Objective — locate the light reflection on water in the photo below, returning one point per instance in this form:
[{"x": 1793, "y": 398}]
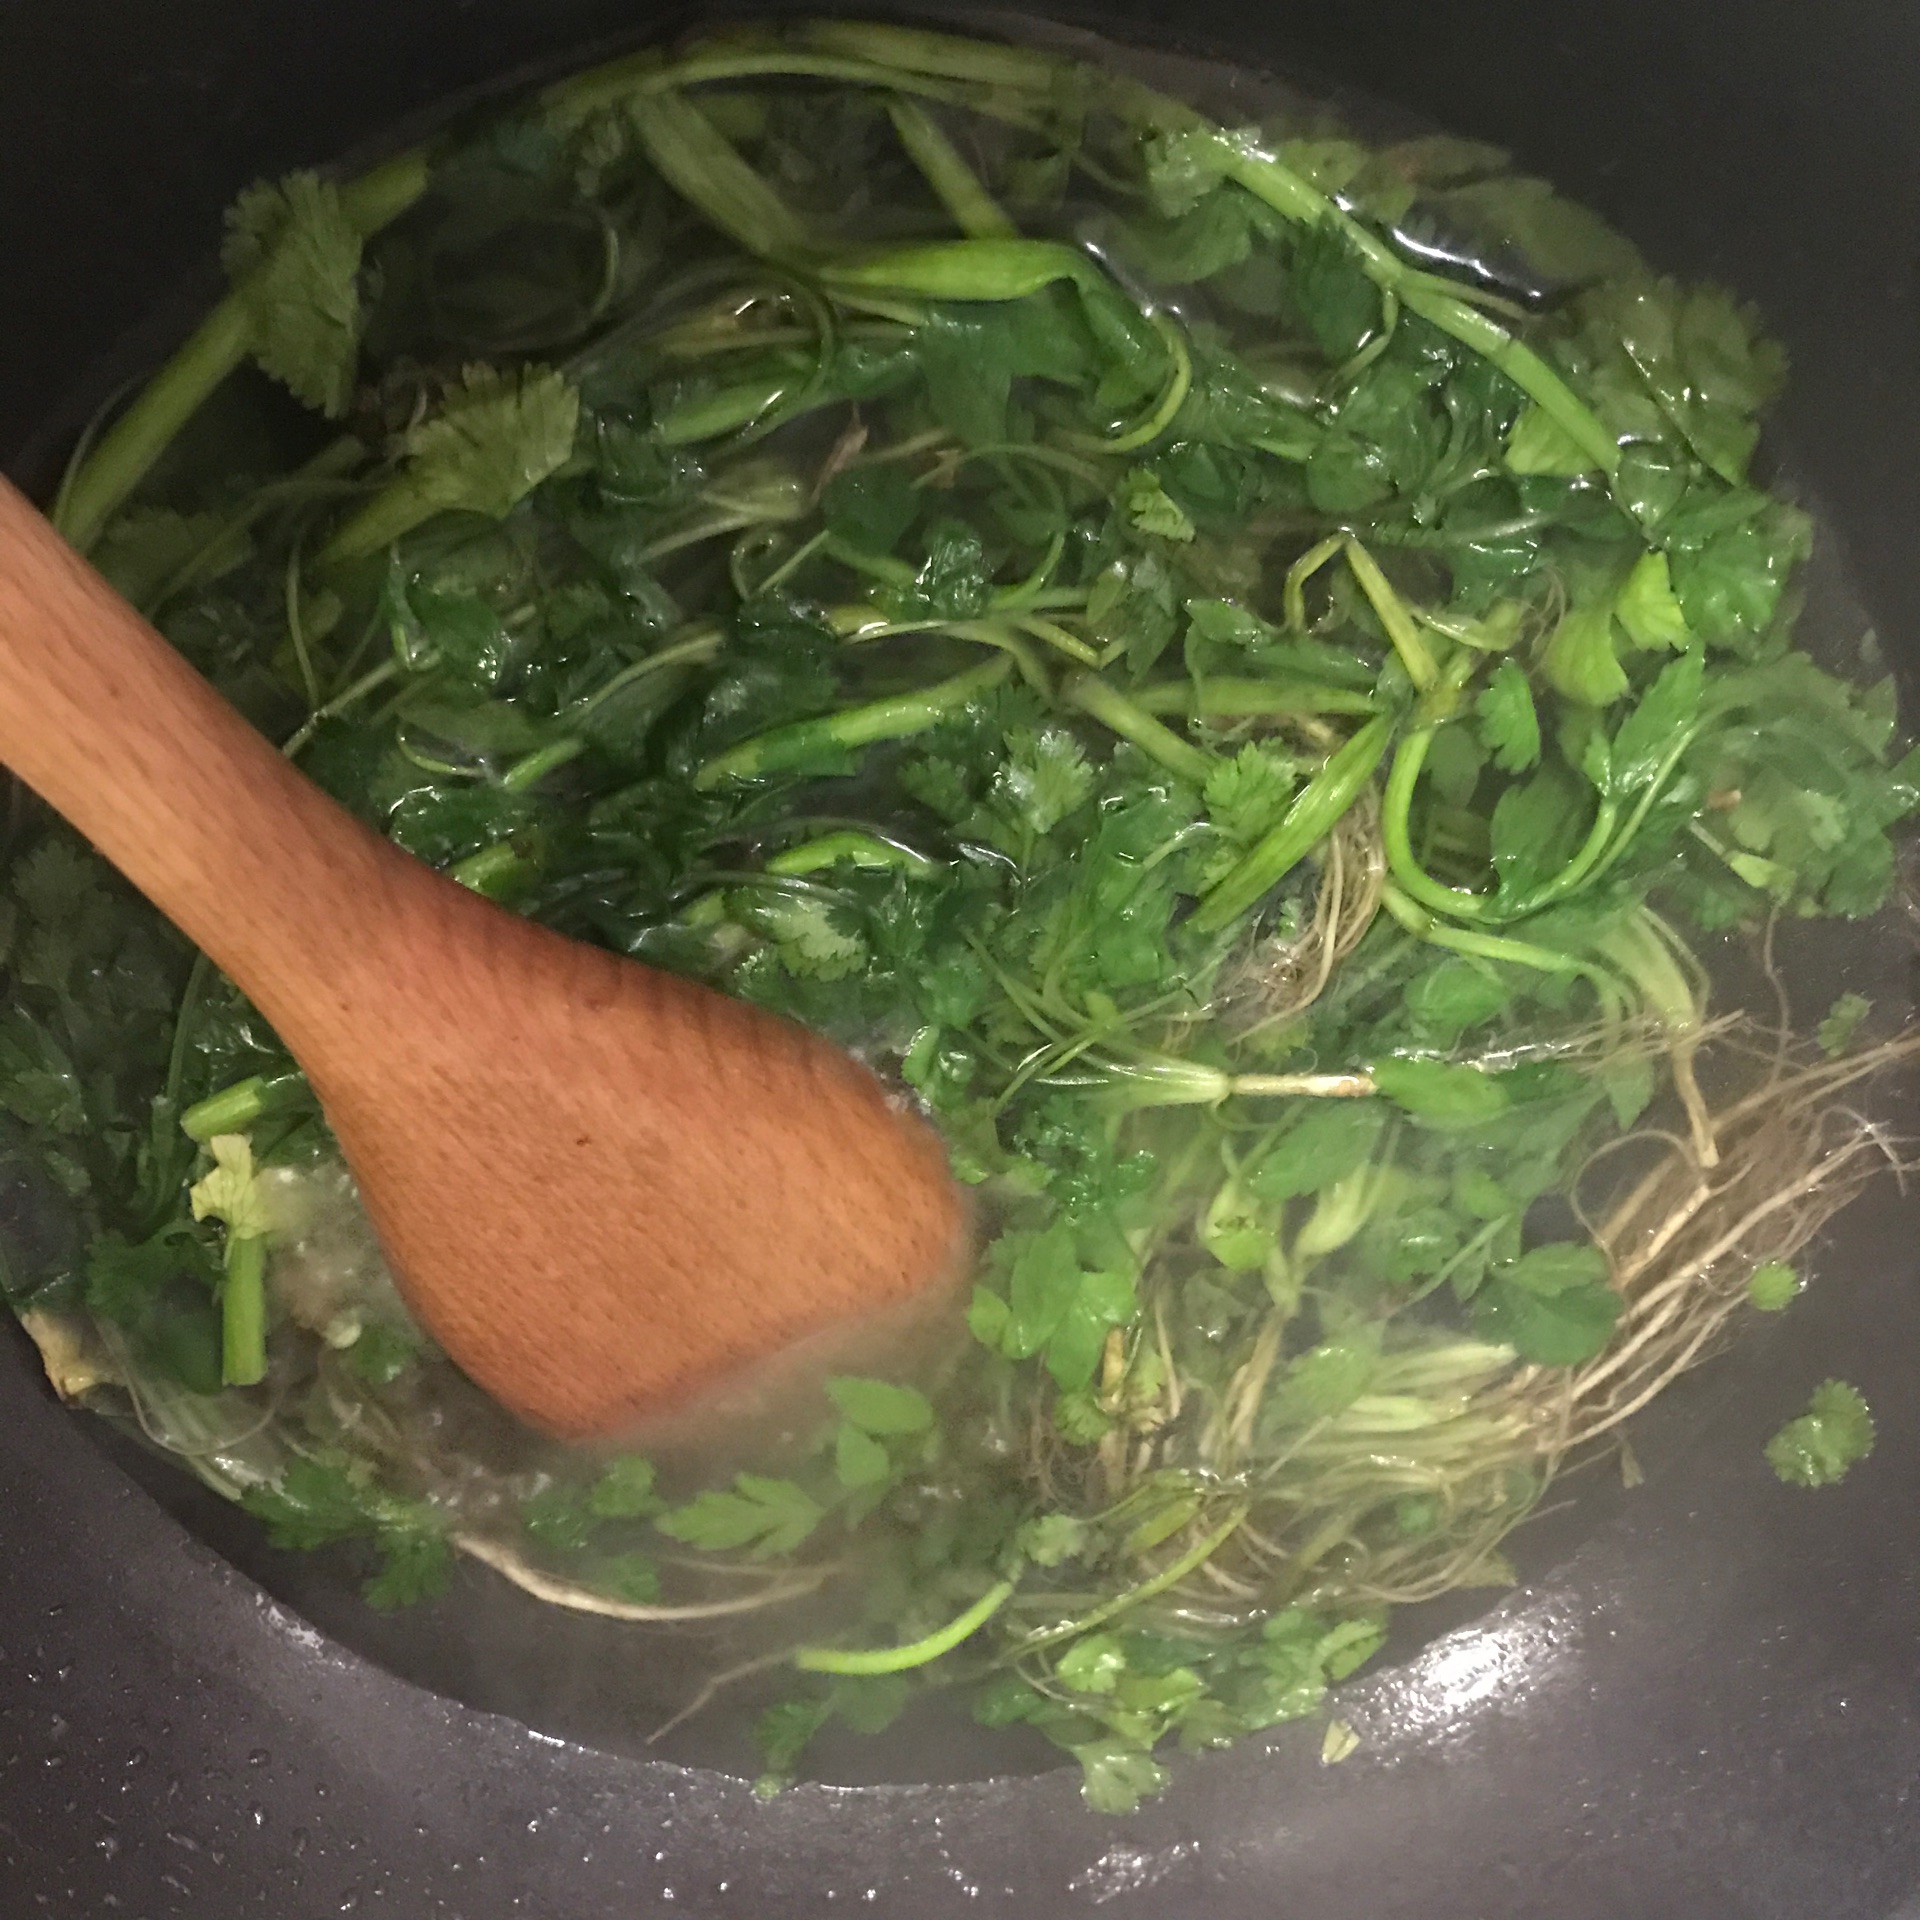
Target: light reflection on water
[{"x": 1494, "y": 1667}]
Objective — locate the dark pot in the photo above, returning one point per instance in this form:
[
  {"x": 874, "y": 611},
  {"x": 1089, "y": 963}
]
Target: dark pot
[{"x": 1705, "y": 1697}]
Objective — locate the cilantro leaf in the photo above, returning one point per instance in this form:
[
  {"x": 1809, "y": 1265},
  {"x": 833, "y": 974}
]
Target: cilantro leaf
[
  {"x": 559, "y": 1518},
  {"x": 858, "y": 1459},
  {"x": 1044, "y": 779},
  {"x": 1440, "y": 1092},
  {"x": 496, "y": 437},
  {"x": 1658, "y": 725},
  {"x": 1151, "y": 509},
  {"x": 871, "y": 507},
  {"x": 149, "y": 552},
  {"x": 1116, "y": 1777},
  {"x": 766, "y": 1516},
  {"x": 1053, "y": 1539},
  {"x": 879, "y": 1407},
  {"x": 1774, "y": 1287},
  {"x": 125, "y": 1280},
  {"x": 1580, "y": 661},
  {"x": 1553, "y": 1306},
  {"x": 1647, "y": 608},
  {"x": 809, "y": 933},
  {"x": 314, "y": 1503},
  {"x": 1836, "y": 1031},
  {"x": 1509, "y": 726},
  {"x": 631, "y": 1577},
  {"x": 1834, "y": 1434},
  {"x": 294, "y": 258},
  {"x": 624, "y": 1490},
  {"x": 416, "y": 1565},
  {"x": 1330, "y": 1141},
  {"x": 1133, "y": 606},
  {"x": 783, "y": 1733},
  {"x": 1093, "y": 1664},
  {"x": 1538, "y": 443},
  {"x": 1246, "y": 795}
]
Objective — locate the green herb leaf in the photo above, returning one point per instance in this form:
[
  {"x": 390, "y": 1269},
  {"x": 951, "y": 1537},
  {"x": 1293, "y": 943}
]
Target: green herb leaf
[
  {"x": 1647, "y": 608},
  {"x": 767, "y": 1517},
  {"x": 858, "y": 1460},
  {"x": 1538, "y": 443},
  {"x": 1835, "y": 1033},
  {"x": 624, "y": 1491},
  {"x": 1834, "y": 1433},
  {"x": 416, "y": 1565},
  {"x": 1150, "y": 509},
  {"x": 1436, "y": 1091},
  {"x": 1093, "y": 1664},
  {"x": 1116, "y": 1777},
  {"x": 877, "y": 1406},
  {"x": 1580, "y": 661},
  {"x": 1553, "y": 1306},
  {"x": 294, "y": 258},
  {"x": 1332, "y": 1139},
  {"x": 1248, "y": 795},
  {"x": 1509, "y": 727},
  {"x": 1774, "y": 1287}
]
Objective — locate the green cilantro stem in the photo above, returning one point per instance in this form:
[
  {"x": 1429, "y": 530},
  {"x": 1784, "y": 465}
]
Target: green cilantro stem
[
  {"x": 860, "y": 849},
  {"x": 243, "y": 1311},
  {"x": 898, "y": 718},
  {"x": 975, "y": 211},
  {"x": 1232, "y": 697},
  {"x": 1107, "y": 704},
  {"x": 1170, "y": 1576},
  {"x": 494, "y": 871},
  {"x": 126, "y": 452},
  {"x": 916, "y": 1653},
  {"x": 726, "y": 410},
  {"x": 532, "y": 768},
  {"x": 699, "y": 647},
  {"x": 1396, "y": 834},
  {"x": 952, "y": 56},
  {"x": 1316, "y": 810},
  {"x": 701, "y": 164},
  {"x": 234, "y": 1109},
  {"x": 1393, "y": 616}
]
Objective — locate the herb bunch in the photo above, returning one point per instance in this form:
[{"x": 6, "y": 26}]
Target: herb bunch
[{"x": 954, "y": 546}]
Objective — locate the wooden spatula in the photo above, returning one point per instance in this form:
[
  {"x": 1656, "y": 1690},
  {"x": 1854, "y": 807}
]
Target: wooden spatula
[{"x": 604, "y": 1190}]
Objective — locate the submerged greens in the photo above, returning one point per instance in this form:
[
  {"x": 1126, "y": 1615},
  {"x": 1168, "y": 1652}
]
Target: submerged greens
[{"x": 1249, "y": 730}]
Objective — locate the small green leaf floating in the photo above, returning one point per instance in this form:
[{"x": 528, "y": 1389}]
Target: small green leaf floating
[{"x": 1832, "y": 1436}]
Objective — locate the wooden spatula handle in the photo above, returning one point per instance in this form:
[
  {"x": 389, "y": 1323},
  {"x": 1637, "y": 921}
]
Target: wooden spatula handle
[{"x": 109, "y": 725}]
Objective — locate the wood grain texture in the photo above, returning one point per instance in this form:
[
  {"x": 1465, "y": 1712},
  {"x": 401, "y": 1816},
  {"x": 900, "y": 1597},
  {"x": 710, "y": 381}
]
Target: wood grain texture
[{"x": 603, "y": 1188}]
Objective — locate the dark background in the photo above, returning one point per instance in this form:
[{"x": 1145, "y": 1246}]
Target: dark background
[{"x": 1705, "y": 1700}]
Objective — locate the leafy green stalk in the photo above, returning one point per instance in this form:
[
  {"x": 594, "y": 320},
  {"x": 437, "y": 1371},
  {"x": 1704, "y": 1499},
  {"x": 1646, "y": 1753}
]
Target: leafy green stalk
[
  {"x": 806, "y": 742},
  {"x": 919, "y": 1652},
  {"x": 126, "y": 452},
  {"x": 702, "y": 165},
  {"x": 1131, "y": 721},
  {"x": 243, "y": 1312},
  {"x": 975, "y": 211},
  {"x": 1314, "y": 814},
  {"x": 234, "y": 1109}
]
